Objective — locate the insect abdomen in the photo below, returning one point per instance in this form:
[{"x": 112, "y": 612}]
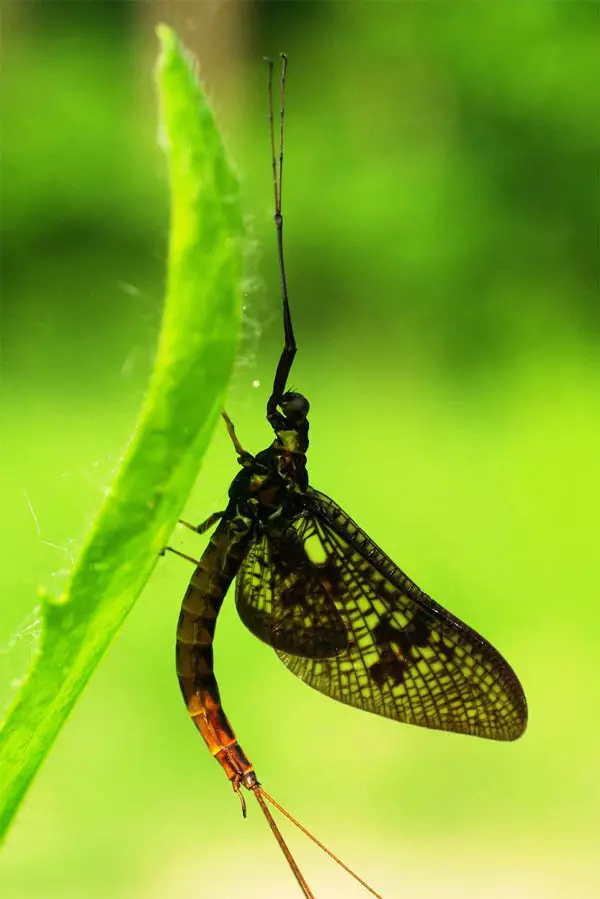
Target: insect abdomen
[{"x": 194, "y": 649}]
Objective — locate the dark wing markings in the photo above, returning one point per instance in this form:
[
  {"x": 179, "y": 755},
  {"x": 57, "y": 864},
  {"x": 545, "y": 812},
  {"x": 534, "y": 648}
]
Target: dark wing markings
[
  {"x": 407, "y": 658},
  {"x": 284, "y": 599}
]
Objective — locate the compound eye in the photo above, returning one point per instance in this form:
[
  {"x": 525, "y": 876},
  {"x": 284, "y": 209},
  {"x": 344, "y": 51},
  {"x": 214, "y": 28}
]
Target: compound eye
[{"x": 295, "y": 406}]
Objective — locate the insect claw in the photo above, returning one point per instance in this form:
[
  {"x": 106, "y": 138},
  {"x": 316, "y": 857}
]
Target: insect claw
[{"x": 237, "y": 789}]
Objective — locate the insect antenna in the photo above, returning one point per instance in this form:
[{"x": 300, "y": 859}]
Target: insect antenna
[
  {"x": 289, "y": 348},
  {"x": 311, "y": 836}
]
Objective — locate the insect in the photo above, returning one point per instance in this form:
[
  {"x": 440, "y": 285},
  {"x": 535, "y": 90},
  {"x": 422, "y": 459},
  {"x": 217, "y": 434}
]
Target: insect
[{"x": 313, "y": 586}]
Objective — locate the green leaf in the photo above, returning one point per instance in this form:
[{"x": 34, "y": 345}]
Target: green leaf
[{"x": 193, "y": 363}]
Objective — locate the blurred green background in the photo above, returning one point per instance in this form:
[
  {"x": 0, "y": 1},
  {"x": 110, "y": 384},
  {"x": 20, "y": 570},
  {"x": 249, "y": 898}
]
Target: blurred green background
[{"x": 441, "y": 194}]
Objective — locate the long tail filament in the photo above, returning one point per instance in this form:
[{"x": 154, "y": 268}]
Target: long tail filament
[{"x": 261, "y": 795}]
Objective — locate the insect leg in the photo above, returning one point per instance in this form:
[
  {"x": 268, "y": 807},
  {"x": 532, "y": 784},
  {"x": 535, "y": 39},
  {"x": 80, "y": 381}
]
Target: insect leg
[
  {"x": 206, "y": 525},
  {"x": 244, "y": 458},
  {"x": 170, "y": 549}
]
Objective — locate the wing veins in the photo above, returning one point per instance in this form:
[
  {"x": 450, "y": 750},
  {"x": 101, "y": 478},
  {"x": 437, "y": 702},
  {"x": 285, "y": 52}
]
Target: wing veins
[
  {"x": 386, "y": 688},
  {"x": 443, "y": 673}
]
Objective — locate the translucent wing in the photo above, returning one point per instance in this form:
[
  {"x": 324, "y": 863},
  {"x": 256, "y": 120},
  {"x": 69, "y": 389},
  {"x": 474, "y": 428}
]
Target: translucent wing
[
  {"x": 405, "y": 657},
  {"x": 284, "y": 598}
]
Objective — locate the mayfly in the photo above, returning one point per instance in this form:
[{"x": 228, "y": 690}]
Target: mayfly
[{"x": 313, "y": 586}]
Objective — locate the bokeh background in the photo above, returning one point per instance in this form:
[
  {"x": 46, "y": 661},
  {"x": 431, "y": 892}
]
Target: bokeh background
[{"x": 441, "y": 194}]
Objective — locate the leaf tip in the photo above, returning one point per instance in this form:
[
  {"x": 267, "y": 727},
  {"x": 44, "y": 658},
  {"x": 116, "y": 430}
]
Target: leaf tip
[{"x": 166, "y": 36}]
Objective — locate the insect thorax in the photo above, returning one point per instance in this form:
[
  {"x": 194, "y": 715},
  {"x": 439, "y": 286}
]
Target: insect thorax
[{"x": 269, "y": 483}]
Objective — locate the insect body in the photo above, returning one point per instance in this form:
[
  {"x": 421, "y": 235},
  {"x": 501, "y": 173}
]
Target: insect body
[{"x": 337, "y": 611}]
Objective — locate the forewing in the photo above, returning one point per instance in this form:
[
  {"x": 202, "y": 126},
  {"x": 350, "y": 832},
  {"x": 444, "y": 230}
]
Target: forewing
[
  {"x": 407, "y": 657},
  {"x": 284, "y": 598}
]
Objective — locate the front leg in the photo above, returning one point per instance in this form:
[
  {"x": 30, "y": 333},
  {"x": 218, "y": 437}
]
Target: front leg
[{"x": 244, "y": 458}]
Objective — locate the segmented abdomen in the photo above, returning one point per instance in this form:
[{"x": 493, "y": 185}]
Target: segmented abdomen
[{"x": 194, "y": 649}]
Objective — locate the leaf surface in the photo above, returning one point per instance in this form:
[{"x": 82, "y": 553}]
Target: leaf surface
[{"x": 194, "y": 360}]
